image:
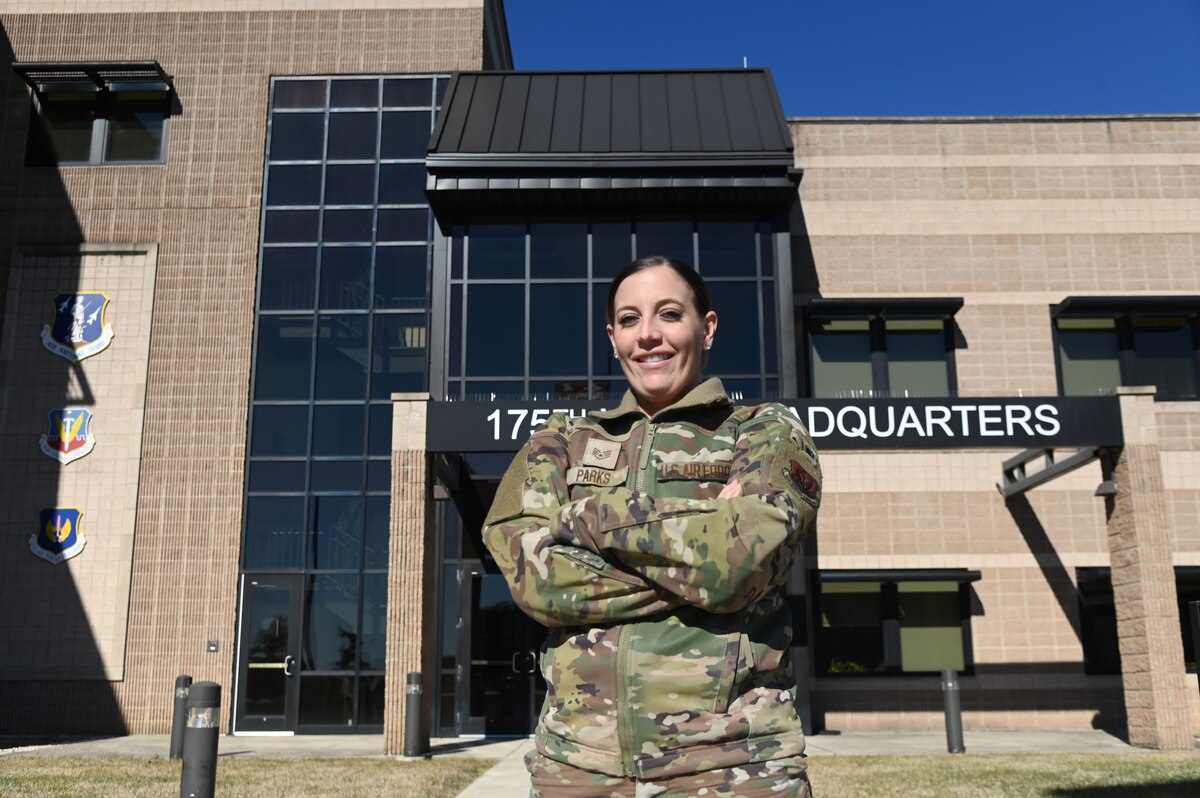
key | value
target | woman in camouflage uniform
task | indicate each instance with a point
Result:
(654, 541)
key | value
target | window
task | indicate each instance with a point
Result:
(860, 349)
(887, 622)
(89, 114)
(504, 271)
(1100, 348)
(1098, 617)
(342, 322)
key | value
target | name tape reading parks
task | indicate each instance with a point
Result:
(1056, 421)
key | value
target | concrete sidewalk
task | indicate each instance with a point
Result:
(282, 747)
(509, 778)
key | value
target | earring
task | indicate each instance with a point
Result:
(707, 347)
(615, 355)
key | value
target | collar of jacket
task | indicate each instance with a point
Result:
(710, 393)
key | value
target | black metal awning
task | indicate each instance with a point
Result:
(902, 575)
(49, 76)
(885, 307)
(516, 138)
(1179, 305)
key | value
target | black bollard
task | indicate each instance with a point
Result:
(414, 745)
(179, 715)
(953, 709)
(199, 779)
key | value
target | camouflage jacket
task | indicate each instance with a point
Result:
(667, 649)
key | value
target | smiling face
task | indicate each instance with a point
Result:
(660, 336)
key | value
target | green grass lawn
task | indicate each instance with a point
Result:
(1140, 775)
(250, 777)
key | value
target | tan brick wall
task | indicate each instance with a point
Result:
(1144, 586)
(202, 209)
(50, 640)
(209, 6)
(412, 582)
(1013, 216)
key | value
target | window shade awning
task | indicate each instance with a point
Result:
(46, 77)
(884, 308)
(961, 575)
(1183, 305)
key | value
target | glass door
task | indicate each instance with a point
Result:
(267, 654)
(503, 684)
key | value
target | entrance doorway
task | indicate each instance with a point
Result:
(502, 684)
(267, 687)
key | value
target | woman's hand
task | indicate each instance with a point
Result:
(731, 490)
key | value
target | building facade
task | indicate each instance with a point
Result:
(286, 287)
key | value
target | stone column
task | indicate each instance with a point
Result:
(1143, 581)
(412, 560)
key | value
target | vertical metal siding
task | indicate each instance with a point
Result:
(596, 135)
(568, 114)
(626, 114)
(481, 119)
(456, 114)
(539, 113)
(743, 130)
(714, 125)
(510, 114)
(682, 114)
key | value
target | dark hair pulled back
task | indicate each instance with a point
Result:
(701, 298)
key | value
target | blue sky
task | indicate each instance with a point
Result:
(893, 57)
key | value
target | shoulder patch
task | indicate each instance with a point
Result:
(805, 483)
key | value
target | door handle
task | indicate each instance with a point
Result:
(288, 662)
(528, 662)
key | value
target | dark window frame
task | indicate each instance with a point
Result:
(889, 581)
(106, 82)
(1097, 581)
(1123, 312)
(762, 380)
(369, 495)
(877, 315)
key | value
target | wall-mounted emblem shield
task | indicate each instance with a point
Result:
(59, 537)
(69, 436)
(78, 330)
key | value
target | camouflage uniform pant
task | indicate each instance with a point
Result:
(780, 778)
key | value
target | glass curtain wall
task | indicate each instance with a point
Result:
(341, 322)
(527, 302)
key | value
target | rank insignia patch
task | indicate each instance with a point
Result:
(69, 436)
(78, 330)
(601, 453)
(59, 537)
(805, 483)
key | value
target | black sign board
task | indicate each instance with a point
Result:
(952, 423)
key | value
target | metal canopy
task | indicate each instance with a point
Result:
(1083, 305)
(886, 308)
(584, 134)
(45, 76)
(902, 575)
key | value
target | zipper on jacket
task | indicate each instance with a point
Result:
(644, 456)
(624, 733)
